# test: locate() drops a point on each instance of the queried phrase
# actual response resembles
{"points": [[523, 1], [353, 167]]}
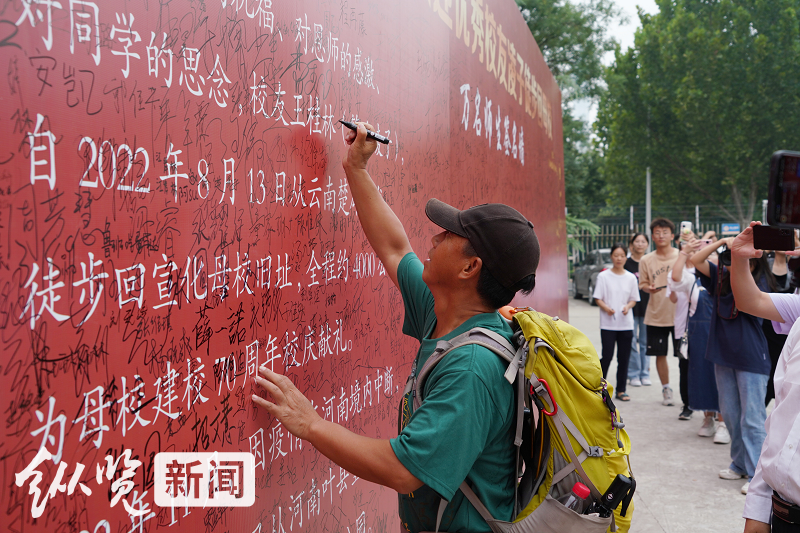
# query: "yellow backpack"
{"points": [[580, 435]]}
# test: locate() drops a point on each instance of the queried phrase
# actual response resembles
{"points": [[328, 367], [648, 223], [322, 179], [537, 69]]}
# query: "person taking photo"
{"points": [[738, 349], [693, 313], [773, 499]]}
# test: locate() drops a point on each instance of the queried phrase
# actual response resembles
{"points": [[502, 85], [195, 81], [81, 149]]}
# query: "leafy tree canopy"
{"points": [[710, 90], [573, 39], [575, 225]]}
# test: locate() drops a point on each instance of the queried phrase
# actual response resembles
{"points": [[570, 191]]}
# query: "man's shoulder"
{"points": [[409, 266], [477, 365], [481, 371], [668, 255], [475, 359], [647, 258], [482, 357], [409, 276]]}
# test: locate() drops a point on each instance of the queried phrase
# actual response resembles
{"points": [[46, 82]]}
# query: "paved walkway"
{"points": [[678, 489]]}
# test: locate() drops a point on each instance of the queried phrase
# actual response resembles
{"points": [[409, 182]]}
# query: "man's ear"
{"points": [[472, 268]]}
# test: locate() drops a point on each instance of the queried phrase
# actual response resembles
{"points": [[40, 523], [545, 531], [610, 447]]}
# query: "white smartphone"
{"points": [[686, 229]]}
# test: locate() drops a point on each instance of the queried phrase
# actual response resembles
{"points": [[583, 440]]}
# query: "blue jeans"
{"points": [[741, 401], [639, 364]]}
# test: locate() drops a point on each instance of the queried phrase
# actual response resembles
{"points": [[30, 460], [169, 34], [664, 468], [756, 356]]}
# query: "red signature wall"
{"points": [[173, 213]]}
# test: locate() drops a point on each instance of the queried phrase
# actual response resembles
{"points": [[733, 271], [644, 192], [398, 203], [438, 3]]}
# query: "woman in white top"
{"points": [[616, 292]]}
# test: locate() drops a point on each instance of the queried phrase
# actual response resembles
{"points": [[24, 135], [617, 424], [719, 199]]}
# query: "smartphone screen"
{"points": [[784, 190]]}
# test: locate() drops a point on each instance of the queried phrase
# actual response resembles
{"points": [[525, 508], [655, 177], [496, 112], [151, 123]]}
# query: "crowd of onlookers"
{"points": [[680, 294]]}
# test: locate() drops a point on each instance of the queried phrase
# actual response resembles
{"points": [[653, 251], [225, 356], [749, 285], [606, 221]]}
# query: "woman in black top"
{"points": [[639, 364]]}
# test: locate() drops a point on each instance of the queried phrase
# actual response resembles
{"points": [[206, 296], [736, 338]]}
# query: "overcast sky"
{"points": [[624, 34]]}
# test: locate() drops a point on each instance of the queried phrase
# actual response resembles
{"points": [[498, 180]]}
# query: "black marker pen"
{"points": [[370, 134]]}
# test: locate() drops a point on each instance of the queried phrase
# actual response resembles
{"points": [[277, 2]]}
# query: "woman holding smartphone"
{"points": [[616, 293], [693, 318], [738, 349]]}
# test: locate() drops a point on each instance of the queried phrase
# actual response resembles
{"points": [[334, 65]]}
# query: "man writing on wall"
{"points": [[464, 428]]}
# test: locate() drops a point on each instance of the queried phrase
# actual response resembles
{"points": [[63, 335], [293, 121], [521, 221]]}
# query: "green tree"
{"points": [[710, 90], [583, 179], [579, 225], [573, 39]]}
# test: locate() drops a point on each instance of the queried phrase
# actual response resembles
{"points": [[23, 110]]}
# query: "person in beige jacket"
{"points": [[660, 316]]}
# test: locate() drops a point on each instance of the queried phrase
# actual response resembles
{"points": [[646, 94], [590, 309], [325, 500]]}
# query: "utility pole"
{"points": [[631, 218], [697, 220], [648, 213]]}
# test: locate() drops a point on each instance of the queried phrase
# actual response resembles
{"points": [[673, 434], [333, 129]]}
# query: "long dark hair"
{"points": [[760, 269]]}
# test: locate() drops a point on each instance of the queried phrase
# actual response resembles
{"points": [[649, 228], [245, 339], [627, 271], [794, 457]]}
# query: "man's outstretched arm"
{"points": [[383, 229], [370, 459]]}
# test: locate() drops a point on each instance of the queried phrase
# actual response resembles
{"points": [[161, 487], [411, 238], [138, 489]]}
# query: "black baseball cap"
{"points": [[501, 236]]}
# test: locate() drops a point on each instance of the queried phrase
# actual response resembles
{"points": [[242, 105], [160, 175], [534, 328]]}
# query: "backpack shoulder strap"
{"points": [[476, 502], [480, 336]]}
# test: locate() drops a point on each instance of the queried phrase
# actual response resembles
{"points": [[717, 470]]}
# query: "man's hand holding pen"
{"points": [[361, 148]]}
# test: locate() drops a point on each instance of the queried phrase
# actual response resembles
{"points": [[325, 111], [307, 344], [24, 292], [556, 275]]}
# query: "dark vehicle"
{"points": [[585, 276]]}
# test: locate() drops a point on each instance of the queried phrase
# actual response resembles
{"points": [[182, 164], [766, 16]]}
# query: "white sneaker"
{"points": [[709, 427], [730, 474], [636, 382], [721, 436], [667, 393], [745, 487], [646, 382]]}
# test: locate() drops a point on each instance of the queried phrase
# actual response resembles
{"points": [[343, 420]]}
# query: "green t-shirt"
{"points": [[464, 427]]}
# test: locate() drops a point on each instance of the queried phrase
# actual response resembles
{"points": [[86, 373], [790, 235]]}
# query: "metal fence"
{"points": [[613, 233], [717, 214]]}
